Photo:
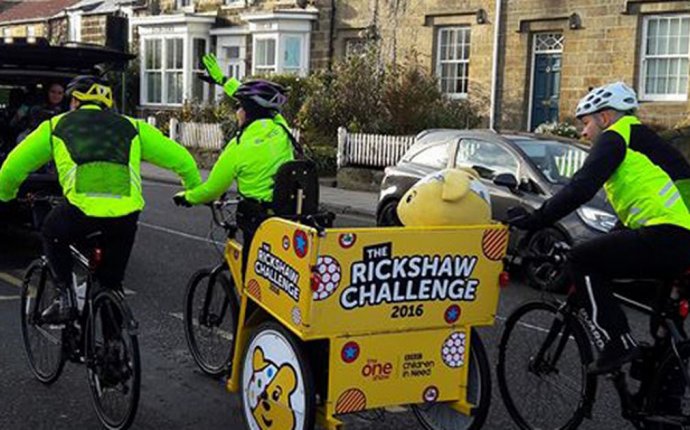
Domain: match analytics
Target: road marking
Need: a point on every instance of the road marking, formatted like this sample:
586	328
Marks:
12	280
221	333
180	233
16	282
153	182
530	326
8	298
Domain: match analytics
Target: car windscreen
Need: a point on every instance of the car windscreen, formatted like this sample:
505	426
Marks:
557	161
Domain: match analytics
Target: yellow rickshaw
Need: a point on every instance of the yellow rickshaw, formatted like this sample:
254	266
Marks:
329	322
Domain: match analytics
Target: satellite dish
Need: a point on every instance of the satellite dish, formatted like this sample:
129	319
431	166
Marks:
302	3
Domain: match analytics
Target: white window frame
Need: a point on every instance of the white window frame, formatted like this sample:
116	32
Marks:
145	71
279	59
198	71
263	69
169	71
164	27
74	28
440	63
297	70
236	64
644	96
164	70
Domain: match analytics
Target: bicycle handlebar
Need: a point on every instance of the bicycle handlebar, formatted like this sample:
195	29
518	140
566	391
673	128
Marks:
216	207
33	198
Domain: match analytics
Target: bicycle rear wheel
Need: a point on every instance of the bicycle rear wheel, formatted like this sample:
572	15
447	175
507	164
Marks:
42	343
669	397
439	416
210	321
541	368
112	361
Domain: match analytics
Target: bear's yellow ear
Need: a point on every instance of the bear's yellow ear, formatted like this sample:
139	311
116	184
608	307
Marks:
258	361
286	379
455	186
470	170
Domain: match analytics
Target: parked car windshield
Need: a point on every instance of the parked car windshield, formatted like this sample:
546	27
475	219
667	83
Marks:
557	161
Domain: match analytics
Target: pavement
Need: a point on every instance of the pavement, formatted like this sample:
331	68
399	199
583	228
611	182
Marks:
338	200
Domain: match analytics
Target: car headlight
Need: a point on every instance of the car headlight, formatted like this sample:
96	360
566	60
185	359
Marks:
597	219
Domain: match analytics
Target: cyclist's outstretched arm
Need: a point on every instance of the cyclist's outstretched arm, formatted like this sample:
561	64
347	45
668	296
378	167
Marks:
27	157
156	148
604	158
219	180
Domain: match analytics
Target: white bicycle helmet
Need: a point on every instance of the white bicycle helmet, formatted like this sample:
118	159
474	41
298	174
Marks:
617	96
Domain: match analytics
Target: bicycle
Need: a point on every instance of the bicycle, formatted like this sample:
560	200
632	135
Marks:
211	305
103	336
552	334
308	348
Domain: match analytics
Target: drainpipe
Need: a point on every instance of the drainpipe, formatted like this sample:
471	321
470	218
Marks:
331	35
494	67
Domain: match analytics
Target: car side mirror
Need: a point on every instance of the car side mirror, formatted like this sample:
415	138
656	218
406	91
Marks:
507	180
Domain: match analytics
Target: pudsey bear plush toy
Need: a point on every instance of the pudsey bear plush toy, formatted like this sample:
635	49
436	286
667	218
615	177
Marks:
446	197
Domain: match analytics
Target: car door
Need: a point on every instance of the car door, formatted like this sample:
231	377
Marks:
490	159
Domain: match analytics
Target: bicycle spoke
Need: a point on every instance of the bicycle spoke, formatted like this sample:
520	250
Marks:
541	361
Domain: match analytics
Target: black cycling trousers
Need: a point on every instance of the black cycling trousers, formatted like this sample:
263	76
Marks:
658	252
66	224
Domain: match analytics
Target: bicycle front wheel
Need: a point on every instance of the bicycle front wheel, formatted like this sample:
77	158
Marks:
542	368
112	361
42	342
210	320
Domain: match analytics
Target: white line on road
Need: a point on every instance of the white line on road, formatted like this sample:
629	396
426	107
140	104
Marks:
530	326
8	298
180	233
162	184
14	281
221	333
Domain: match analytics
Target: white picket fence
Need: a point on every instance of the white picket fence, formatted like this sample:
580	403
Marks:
570	163
371	150
197	135
200	135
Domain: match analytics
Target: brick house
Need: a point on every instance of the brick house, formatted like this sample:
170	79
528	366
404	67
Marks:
549	52
88	19
248	37
34	19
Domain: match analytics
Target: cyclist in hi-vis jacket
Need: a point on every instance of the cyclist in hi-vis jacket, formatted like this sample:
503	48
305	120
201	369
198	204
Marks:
646	181
98	154
261	145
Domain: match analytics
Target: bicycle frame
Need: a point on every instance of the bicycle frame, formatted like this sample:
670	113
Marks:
668	337
204	314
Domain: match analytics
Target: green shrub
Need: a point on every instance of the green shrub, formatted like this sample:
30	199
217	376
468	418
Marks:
365	97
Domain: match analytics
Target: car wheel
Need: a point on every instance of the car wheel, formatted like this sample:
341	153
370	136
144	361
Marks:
388	215
546	276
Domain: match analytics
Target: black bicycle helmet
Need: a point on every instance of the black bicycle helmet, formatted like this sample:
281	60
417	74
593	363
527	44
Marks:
266	94
90	88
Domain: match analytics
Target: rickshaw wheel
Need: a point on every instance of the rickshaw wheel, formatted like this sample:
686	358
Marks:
277	382
440	416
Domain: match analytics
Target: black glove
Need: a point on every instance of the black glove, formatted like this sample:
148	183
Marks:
181	200
518	217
